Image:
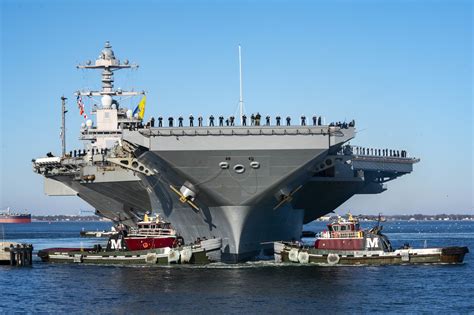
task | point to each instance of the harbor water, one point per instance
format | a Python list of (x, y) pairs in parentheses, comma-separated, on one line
[(252, 287)]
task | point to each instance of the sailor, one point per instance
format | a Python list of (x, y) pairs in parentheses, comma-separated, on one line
[(257, 119), (267, 120), (152, 122), (278, 120), (211, 121), (221, 120), (170, 121), (180, 119), (244, 120), (319, 121), (303, 120), (191, 120), (288, 120), (160, 121), (200, 121), (231, 119), (227, 122), (252, 120), (315, 120)]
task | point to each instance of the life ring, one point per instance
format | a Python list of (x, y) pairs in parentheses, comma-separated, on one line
[(303, 257), (293, 255), (145, 245), (333, 259)]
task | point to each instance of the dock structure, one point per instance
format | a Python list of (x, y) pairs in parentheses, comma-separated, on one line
[(15, 254)]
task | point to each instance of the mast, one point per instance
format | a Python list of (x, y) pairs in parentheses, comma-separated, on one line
[(241, 100), (108, 64), (63, 125)]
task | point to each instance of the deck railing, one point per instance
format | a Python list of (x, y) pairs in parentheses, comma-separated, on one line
[(150, 232), (341, 234)]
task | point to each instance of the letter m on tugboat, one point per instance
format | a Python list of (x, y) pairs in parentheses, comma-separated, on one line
[(372, 243), (116, 242)]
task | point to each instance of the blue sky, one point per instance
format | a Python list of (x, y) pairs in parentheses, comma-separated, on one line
[(402, 69)]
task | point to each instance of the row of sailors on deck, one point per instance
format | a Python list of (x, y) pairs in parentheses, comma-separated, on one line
[(255, 120), (380, 152)]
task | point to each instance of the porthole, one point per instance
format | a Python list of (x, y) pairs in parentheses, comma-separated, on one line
[(239, 168), (134, 164), (141, 168), (224, 165), (328, 162), (255, 164)]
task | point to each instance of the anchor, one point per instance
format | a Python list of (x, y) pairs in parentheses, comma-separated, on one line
[(186, 195), (287, 197)]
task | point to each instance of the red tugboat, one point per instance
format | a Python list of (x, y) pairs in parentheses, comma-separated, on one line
[(346, 243), (151, 233), (152, 242)]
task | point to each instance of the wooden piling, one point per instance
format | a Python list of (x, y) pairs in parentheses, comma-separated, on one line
[(15, 254)]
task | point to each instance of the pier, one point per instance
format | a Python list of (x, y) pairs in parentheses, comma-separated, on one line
[(15, 254)]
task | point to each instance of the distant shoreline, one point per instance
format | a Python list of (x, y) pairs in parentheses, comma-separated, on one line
[(362, 217)]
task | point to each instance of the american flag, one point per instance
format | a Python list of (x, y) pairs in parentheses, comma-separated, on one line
[(80, 105)]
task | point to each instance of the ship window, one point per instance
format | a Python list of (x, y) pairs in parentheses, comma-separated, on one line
[(224, 165), (343, 228), (239, 168)]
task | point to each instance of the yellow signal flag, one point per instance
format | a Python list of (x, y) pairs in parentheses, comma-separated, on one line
[(141, 107)]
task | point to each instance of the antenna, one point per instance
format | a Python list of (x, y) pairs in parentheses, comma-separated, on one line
[(63, 125), (241, 100)]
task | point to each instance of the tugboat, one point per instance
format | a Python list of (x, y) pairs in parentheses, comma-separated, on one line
[(152, 242), (345, 243), (152, 233)]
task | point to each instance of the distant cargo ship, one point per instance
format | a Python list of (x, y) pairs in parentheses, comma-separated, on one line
[(7, 216)]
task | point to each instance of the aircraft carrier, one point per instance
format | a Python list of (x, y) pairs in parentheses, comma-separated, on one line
[(249, 185)]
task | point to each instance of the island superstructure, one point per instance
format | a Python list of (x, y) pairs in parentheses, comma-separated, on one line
[(248, 185)]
